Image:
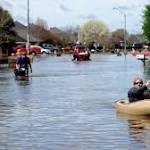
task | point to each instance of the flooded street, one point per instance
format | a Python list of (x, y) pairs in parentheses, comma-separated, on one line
[(68, 105)]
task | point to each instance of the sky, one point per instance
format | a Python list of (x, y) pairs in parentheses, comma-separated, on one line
[(72, 13)]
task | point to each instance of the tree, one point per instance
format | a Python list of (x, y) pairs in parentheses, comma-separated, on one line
[(118, 38), (41, 30), (70, 34), (93, 31), (6, 24), (146, 23), (118, 35)]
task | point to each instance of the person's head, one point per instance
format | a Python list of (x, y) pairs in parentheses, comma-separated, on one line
[(24, 53), (138, 82), (18, 54)]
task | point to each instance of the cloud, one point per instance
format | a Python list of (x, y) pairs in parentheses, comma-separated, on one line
[(7, 4), (123, 7), (21, 19), (64, 8), (65, 12), (90, 16)]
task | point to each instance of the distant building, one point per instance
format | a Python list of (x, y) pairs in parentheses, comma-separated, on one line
[(21, 34)]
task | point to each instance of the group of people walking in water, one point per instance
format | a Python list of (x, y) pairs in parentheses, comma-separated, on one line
[(139, 91)]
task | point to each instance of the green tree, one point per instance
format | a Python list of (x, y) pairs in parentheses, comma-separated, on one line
[(93, 31), (6, 24), (146, 23)]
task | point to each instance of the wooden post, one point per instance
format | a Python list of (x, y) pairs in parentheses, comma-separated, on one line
[(144, 60), (142, 57)]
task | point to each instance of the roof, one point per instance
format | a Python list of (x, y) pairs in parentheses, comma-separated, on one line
[(21, 32)]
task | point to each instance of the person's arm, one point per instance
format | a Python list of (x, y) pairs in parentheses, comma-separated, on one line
[(18, 63), (17, 66), (132, 96)]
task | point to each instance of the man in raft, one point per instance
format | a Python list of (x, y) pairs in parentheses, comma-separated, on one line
[(136, 93)]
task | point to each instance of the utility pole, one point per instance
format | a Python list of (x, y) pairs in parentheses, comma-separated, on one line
[(28, 28), (125, 40)]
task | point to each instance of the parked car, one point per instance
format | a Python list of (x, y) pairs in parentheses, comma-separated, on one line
[(68, 49), (34, 50), (21, 50), (51, 47), (17, 46), (44, 50)]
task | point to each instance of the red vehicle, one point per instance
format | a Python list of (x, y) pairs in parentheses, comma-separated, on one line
[(140, 53), (22, 48), (33, 50), (81, 53), (68, 49)]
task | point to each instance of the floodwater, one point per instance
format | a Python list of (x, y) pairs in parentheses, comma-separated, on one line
[(68, 105)]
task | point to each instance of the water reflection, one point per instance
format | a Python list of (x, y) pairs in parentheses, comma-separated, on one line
[(147, 71), (25, 82), (138, 127), (6, 109)]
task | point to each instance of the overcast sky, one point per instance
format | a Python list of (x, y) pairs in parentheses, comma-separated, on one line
[(66, 13)]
